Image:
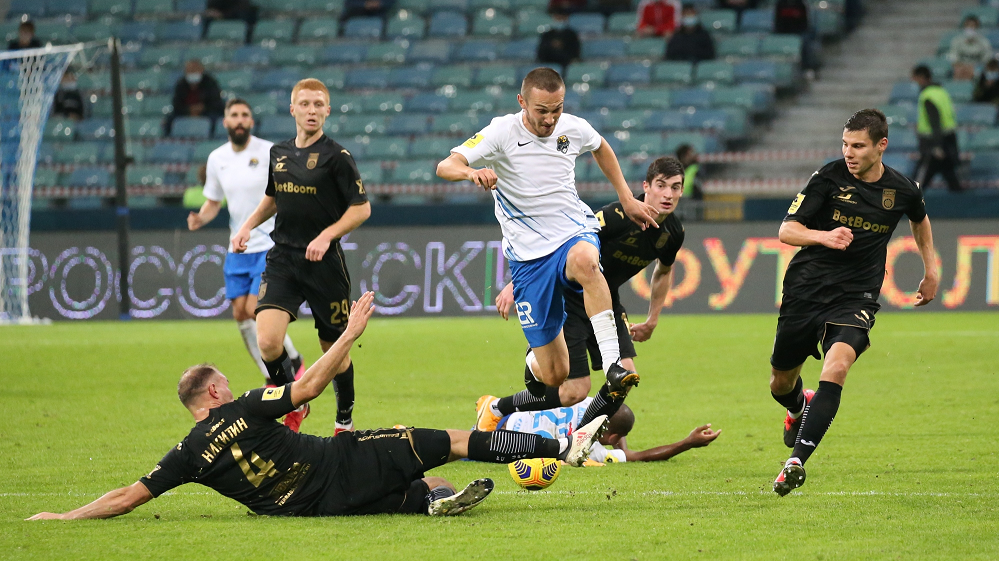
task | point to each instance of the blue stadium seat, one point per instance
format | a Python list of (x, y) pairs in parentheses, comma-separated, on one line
[(146, 80), (760, 20), (33, 8), (496, 75), (902, 115), (78, 153), (371, 172), (95, 129), (642, 143), (277, 78), (432, 147), (902, 139), (459, 6), (784, 46), (59, 129), (714, 71), (738, 46), (321, 6), (140, 31), (448, 24), (653, 98), (408, 124), (410, 77), (983, 140), (414, 6), (587, 23), (427, 102), (383, 102), (333, 76), (376, 78), (456, 124), (118, 8), (604, 48), (649, 47), (169, 57), (44, 177), (479, 101), (707, 119), (387, 148), (226, 31), (673, 72), (344, 53), (519, 49), (414, 172), (492, 23), (280, 30), (452, 75), (145, 175), (623, 23), (87, 202), (434, 51), (756, 71), (209, 55), (191, 127), (592, 73), (363, 125), (502, 5), (476, 51), (666, 120), (703, 143), (318, 29), (532, 23), (190, 6), (178, 32), (276, 128), (89, 177), (907, 92), (901, 163), (629, 73), (75, 8), (387, 52), (718, 20), (94, 30), (609, 98), (284, 55), (960, 90), (625, 119), (235, 80), (691, 97), (405, 25), (369, 27), (976, 114), (152, 8), (169, 153), (988, 15)]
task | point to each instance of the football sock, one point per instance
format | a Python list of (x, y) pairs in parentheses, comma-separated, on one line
[(527, 401), (248, 330), (605, 332), (602, 404), (535, 386), (343, 385), (793, 401), (435, 494), (815, 421), (503, 446), (280, 371), (289, 347)]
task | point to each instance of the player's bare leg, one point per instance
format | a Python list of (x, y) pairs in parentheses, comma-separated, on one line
[(550, 363), (243, 312), (343, 387)]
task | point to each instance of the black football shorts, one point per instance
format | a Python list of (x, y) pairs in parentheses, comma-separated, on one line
[(802, 325), (290, 279), (581, 342)]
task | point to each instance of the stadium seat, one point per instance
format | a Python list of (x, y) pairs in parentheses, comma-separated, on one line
[(533, 23), (636, 73), (278, 78), (976, 114), (502, 5), (321, 6), (447, 24), (656, 98), (592, 73), (88, 177), (364, 125), (414, 6), (280, 30), (706, 119), (261, 104), (226, 31), (901, 163), (191, 127), (960, 90), (53, 31), (587, 23), (433, 51), (457, 6), (144, 128), (787, 47), (718, 20), (432, 147), (145, 175), (492, 23), (77, 153), (902, 139), (904, 92), (496, 75), (408, 124), (714, 71), (346, 104), (519, 49), (900, 115), (410, 77), (641, 143), (202, 150), (168, 57), (672, 73), (148, 80), (138, 31), (623, 24), (454, 75), (148, 8), (44, 177), (473, 101), (427, 102), (983, 140), (760, 20), (666, 120), (476, 51), (405, 25), (319, 29), (756, 71), (704, 144), (94, 30), (178, 31), (422, 171), (624, 119), (277, 128), (251, 55), (59, 129), (192, 7), (737, 96), (31, 8), (371, 172), (119, 8), (943, 45), (387, 52), (650, 47), (988, 16), (209, 55), (284, 55), (95, 129), (604, 49), (456, 124), (370, 78), (691, 97), (536, 5), (940, 67), (606, 98), (235, 80), (368, 27), (333, 76), (383, 102), (738, 46), (387, 148), (344, 53)]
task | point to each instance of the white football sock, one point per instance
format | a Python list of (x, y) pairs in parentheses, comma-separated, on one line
[(248, 329), (530, 361), (494, 407), (563, 445), (289, 347), (605, 332)]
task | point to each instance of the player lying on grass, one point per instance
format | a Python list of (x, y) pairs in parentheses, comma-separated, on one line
[(612, 446), (238, 449)]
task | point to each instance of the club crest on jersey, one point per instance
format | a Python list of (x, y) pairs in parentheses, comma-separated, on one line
[(662, 240), (888, 198), (313, 160), (562, 144), (254, 162)]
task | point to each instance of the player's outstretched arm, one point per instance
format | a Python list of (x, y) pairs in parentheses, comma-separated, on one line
[(117, 502), (354, 216), (701, 436), (455, 168), (320, 374), (923, 235), (205, 214), (266, 209), (793, 232), (640, 213), (662, 278), (504, 301)]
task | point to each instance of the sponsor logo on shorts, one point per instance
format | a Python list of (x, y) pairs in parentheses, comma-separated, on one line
[(524, 310)]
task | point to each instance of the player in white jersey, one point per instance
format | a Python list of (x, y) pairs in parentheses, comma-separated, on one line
[(549, 234), (612, 447), (237, 173)]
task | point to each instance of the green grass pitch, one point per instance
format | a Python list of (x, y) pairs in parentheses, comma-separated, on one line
[(907, 471)]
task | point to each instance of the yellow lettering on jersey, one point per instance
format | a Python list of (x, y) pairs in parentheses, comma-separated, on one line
[(859, 222), (292, 188), (270, 394), (796, 203), (473, 142), (279, 167), (600, 218)]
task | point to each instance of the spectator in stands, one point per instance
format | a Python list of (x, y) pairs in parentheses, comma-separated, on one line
[(691, 42), (968, 50), (359, 8), (687, 155), (25, 38), (560, 44), (738, 5), (937, 130), (987, 88), (196, 95), (68, 102), (791, 17), (232, 9), (657, 18)]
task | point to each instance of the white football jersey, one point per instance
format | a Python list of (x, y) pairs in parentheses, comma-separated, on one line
[(240, 178), (536, 202), (555, 423)]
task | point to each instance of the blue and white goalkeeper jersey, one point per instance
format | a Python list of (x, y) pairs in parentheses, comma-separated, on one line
[(536, 202)]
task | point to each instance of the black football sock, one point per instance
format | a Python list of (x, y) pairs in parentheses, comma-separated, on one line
[(793, 401), (343, 385), (527, 401), (536, 387), (503, 446), (602, 404), (281, 371), (436, 493), (815, 421)]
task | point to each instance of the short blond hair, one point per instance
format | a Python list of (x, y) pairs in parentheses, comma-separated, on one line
[(310, 84)]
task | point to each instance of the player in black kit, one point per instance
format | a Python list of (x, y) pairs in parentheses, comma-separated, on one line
[(843, 220), (238, 449), (625, 251), (317, 193)]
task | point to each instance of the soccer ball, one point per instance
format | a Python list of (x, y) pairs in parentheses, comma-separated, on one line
[(535, 474)]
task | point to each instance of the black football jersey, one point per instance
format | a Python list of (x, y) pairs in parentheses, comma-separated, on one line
[(313, 187), (242, 452), (625, 249), (835, 198)]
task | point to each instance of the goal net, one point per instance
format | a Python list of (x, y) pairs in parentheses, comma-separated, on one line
[(28, 82)]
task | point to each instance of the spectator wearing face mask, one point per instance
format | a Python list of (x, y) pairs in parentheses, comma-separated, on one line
[(196, 94), (968, 50), (987, 88), (68, 102), (691, 42), (560, 44)]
